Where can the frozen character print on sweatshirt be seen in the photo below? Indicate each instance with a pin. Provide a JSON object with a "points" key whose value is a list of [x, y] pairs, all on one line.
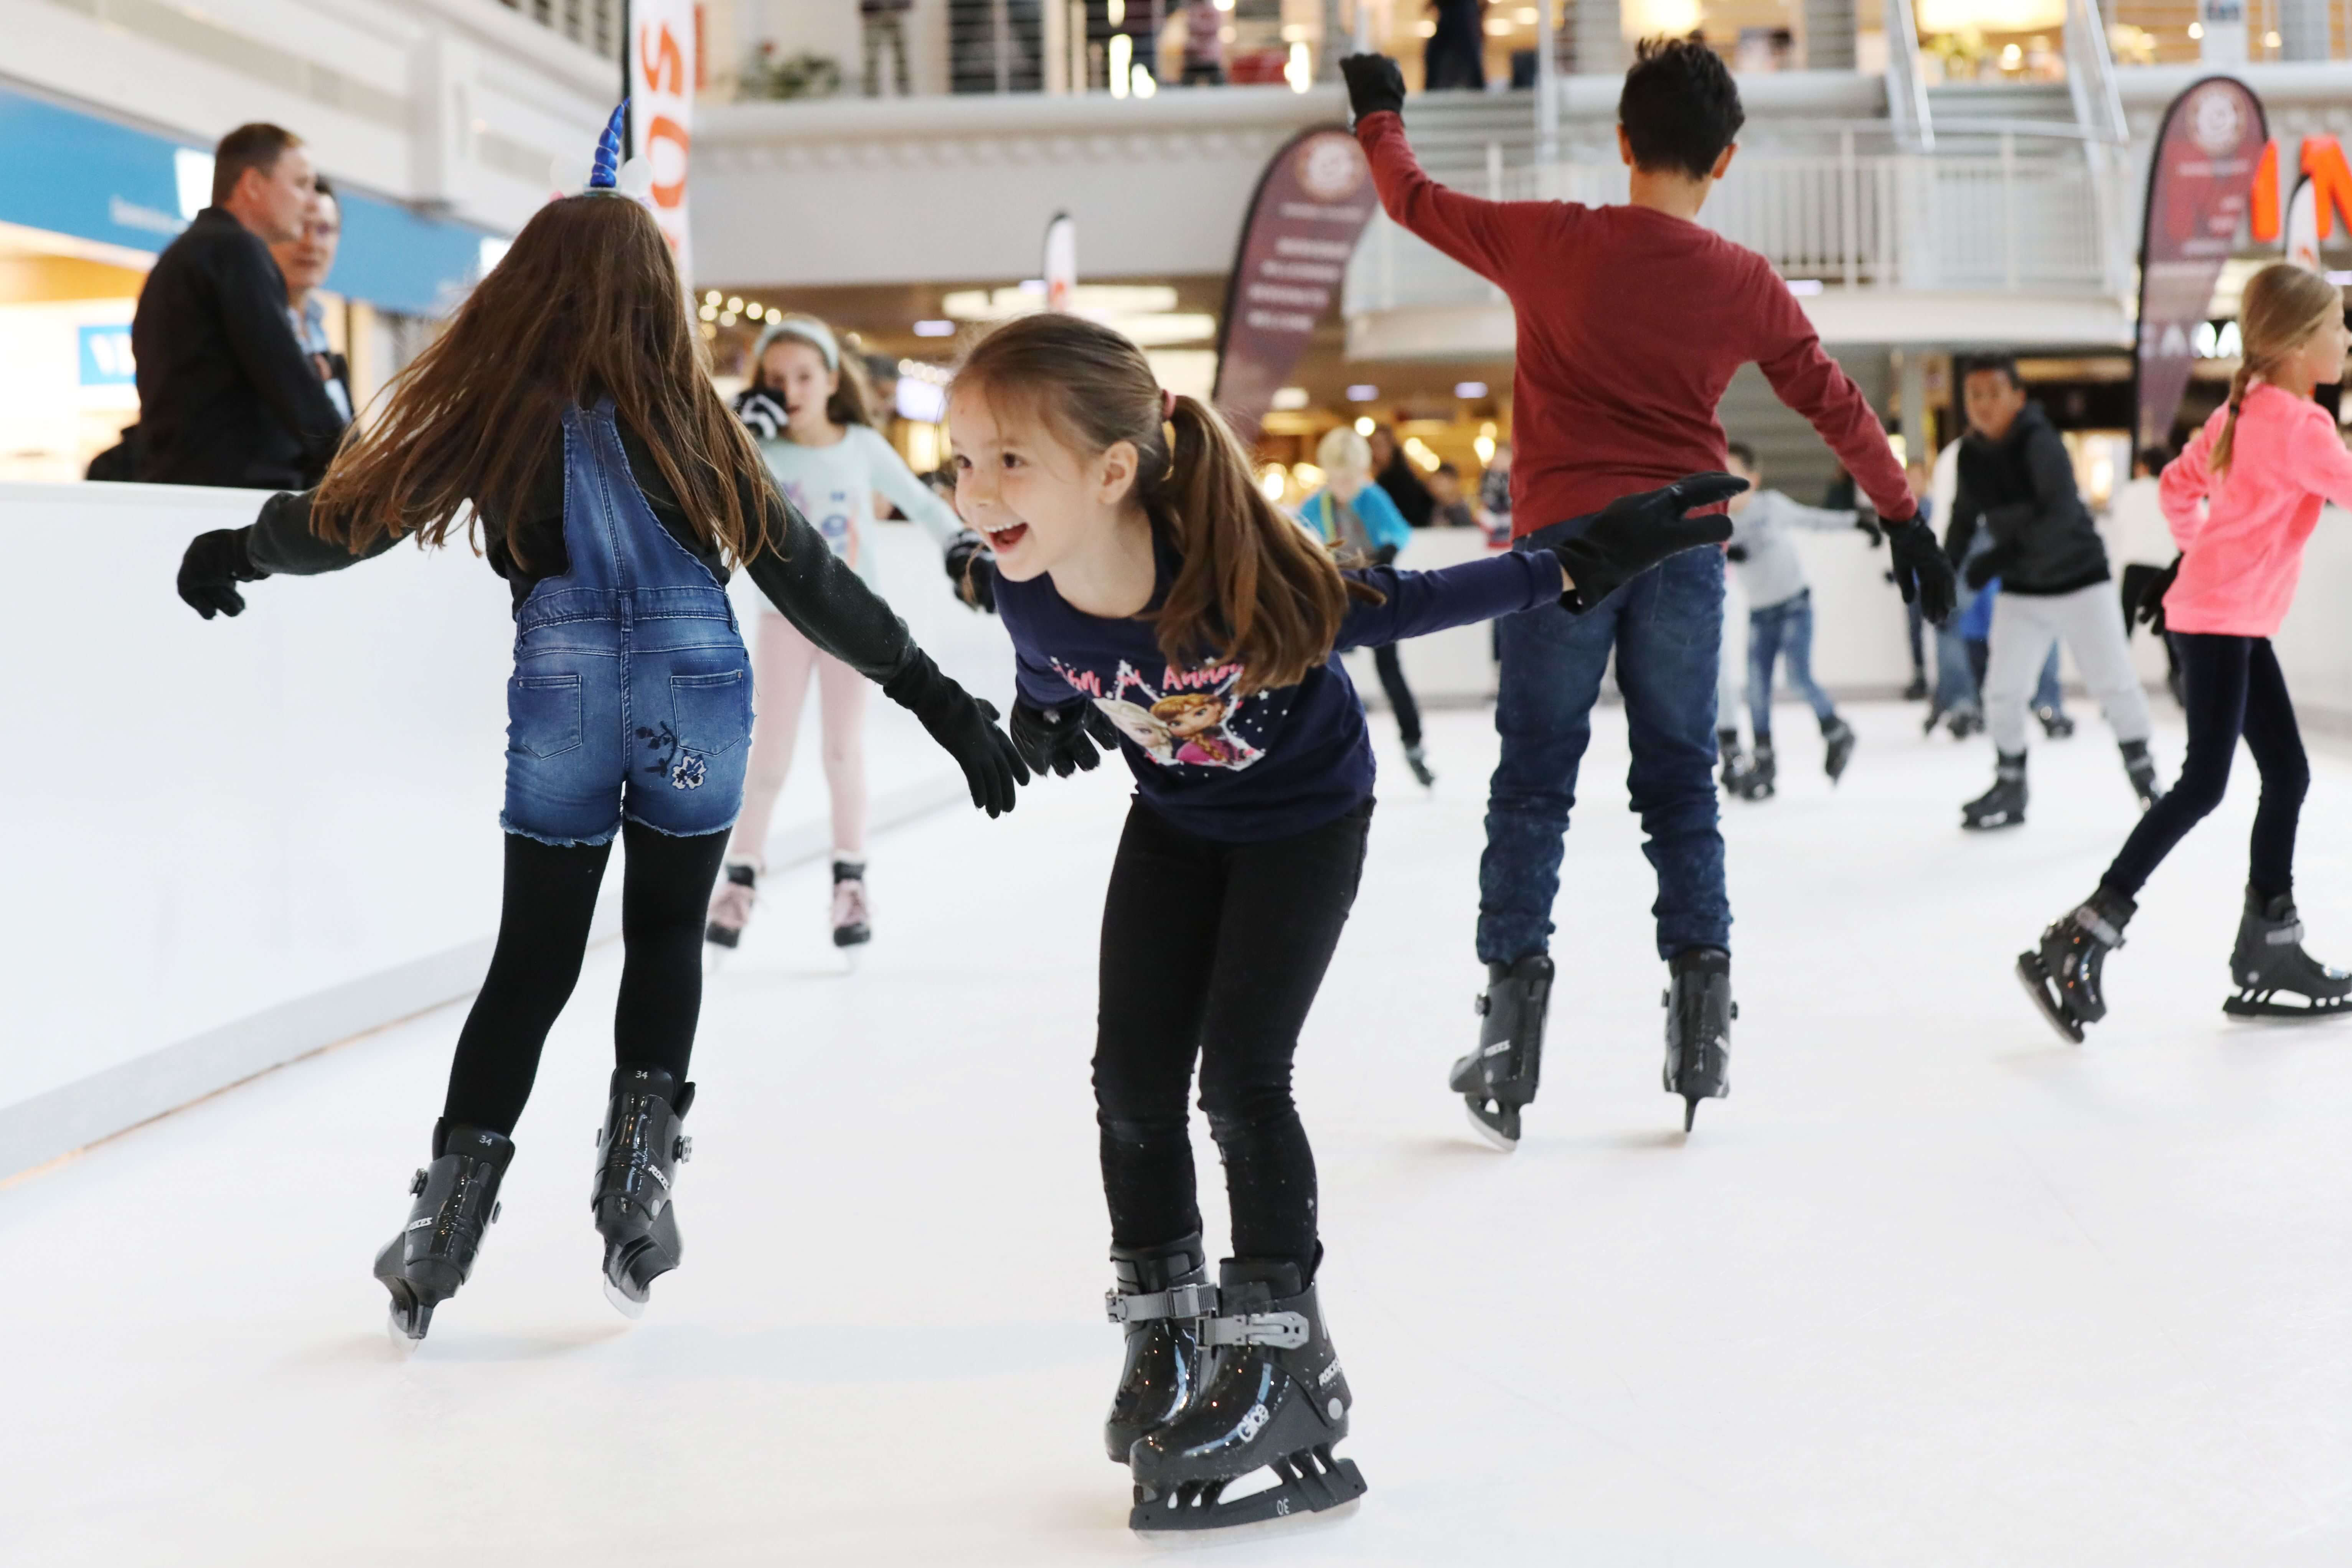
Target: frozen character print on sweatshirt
{"points": [[1192, 719], [831, 511]]}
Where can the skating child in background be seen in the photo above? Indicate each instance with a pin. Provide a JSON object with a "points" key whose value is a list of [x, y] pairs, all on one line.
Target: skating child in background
{"points": [[568, 403], [2240, 500], [1779, 621], [2016, 483], [809, 413], [1136, 563], [1356, 518]]}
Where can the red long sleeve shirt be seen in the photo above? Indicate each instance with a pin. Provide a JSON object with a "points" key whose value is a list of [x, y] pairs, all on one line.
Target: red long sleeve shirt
{"points": [[1631, 323]]}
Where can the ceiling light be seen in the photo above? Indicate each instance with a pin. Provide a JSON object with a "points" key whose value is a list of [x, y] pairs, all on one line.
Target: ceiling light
{"points": [[1364, 426], [1289, 398], [935, 329], [1361, 392], [1470, 389], [1497, 28], [735, 303], [712, 298]]}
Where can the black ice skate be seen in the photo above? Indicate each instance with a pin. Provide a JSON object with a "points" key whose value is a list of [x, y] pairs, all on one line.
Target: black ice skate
{"points": [[2269, 962], [1962, 720], [1163, 1299], [1499, 1078], [637, 1156], [1734, 761], [2064, 974], [1699, 1011], [2141, 768], [1275, 1400], [1418, 761], [1917, 690], [731, 912], [2056, 723], [853, 923], [456, 1200], [1837, 740], [2003, 805], [1759, 779]]}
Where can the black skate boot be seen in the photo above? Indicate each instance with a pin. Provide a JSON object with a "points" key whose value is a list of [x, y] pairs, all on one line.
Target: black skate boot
{"points": [[1760, 780], [1275, 1399], [2064, 974], [1837, 738], [1734, 760], [456, 1200], [637, 1156], [2003, 805], [2270, 959], [2056, 723], [731, 906], [1917, 690], [2141, 767], [1163, 1298], [1963, 720], [853, 920], [1699, 1011], [1418, 761], [1500, 1077]]}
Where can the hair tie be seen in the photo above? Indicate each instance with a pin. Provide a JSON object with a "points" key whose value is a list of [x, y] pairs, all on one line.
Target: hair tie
{"points": [[1167, 405]]}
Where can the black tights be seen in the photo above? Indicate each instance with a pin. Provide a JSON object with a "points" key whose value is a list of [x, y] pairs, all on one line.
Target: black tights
{"points": [[549, 899], [1216, 951], [1390, 669], [2232, 687]]}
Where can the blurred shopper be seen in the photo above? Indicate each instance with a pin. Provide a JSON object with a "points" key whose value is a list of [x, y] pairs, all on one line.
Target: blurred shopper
{"points": [[1448, 507], [810, 414], [1357, 521], [1495, 497], [2016, 484], [567, 412], [1456, 54], [226, 395], [1630, 321], [305, 262], [1915, 624], [884, 24], [1204, 44], [2243, 500], [1392, 470], [1779, 620]]}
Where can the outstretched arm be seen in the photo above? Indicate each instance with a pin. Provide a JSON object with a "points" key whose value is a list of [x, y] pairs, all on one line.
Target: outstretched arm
{"points": [[819, 594], [1480, 235], [1414, 604]]}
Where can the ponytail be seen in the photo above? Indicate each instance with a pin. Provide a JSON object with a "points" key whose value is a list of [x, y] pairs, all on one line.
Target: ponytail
{"points": [[1252, 587], [2283, 305], [2217, 460]]}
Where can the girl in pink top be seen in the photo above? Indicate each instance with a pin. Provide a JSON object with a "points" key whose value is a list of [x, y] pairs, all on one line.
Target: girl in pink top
{"points": [[2242, 499]]}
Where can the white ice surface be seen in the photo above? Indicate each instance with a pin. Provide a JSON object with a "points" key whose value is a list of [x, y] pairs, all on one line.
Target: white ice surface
{"points": [[1929, 1288]]}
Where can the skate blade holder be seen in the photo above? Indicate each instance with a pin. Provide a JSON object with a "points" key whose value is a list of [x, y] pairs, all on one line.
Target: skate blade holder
{"points": [[1283, 1330], [1307, 1482], [1182, 1302]]}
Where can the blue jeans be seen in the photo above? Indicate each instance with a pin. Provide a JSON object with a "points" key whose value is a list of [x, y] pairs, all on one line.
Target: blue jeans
{"points": [[1783, 630], [1666, 627]]}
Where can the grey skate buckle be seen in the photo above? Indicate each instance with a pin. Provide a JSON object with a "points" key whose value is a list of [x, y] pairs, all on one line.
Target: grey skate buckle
{"points": [[2286, 935], [1283, 1330], [2091, 921], [1182, 1302]]}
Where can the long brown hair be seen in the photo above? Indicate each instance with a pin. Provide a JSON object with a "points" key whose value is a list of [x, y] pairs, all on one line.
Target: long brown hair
{"points": [[1252, 587], [587, 300], [2284, 304]]}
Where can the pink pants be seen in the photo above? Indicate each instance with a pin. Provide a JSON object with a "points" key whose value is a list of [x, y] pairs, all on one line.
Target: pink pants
{"points": [[781, 665]]}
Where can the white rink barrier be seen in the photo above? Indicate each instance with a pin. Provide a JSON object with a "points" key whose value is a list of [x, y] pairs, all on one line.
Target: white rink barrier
{"points": [[234, 842]]}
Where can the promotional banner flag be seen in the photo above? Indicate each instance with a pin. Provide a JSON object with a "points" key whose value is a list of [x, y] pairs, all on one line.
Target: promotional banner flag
{"points": [[1311, 207], [2199, 179], [2303, 226], [1061, 262], [662, 74]]}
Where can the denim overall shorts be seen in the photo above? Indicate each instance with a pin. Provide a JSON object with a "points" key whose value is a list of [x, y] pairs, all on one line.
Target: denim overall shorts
{"points": [[632, 693]]}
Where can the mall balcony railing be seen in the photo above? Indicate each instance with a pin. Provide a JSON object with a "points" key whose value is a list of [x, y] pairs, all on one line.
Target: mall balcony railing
{"points": [[594, 25]]}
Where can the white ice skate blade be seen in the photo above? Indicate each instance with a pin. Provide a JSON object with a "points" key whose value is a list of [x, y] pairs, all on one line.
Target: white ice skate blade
{"points": [[715, 957], [1257, 1530], [403, 1347], [621, 1303], [1492, 1138]]}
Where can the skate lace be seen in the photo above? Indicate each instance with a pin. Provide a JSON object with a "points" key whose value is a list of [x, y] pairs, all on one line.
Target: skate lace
{"points": [[850, 903], [730, 905]]}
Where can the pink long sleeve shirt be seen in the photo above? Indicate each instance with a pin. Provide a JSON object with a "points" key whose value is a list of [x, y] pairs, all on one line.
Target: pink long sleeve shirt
{"points": [[2241, 551]]}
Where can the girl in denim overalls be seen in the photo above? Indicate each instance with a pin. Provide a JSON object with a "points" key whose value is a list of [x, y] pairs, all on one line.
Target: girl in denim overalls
{"points": [[567, 405]]}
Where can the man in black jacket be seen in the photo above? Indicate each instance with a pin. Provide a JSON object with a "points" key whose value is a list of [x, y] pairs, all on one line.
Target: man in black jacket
{"points": [[226, 396], [2017, 482]]}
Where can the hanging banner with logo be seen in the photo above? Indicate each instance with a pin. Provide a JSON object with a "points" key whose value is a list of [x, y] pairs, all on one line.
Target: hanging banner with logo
{"points": [[1061, 263], [2199, 185], [1310, 210], [662, 74]]}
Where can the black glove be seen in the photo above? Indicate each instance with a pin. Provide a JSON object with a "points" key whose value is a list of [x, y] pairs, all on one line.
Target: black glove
{"points": [[1920, 570], [1062, 740], [1868, 523], [2149, 611], [1634, 533], [1735, 553], [977, 589], [1375, 86], [762, 415], [215, 565], [965, 727]]}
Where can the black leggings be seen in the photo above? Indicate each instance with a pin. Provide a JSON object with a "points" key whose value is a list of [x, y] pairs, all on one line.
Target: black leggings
{"points": [[1390, 670], [549, 899], [2232, 687], [1216, 951]]}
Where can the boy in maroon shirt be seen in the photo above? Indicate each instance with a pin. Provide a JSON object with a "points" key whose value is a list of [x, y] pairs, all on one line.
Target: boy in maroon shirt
{"points": [[1630, 321]]}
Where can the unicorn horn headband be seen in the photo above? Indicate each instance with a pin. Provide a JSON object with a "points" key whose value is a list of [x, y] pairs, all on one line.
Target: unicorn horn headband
{"points": [[608, 174]]}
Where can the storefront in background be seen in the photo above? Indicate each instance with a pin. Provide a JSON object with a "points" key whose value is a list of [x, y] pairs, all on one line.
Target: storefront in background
{"points": [[89, 202]]}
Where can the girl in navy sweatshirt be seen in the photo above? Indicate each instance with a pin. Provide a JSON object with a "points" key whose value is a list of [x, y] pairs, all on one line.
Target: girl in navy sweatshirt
{"points": [[1157, 602]]}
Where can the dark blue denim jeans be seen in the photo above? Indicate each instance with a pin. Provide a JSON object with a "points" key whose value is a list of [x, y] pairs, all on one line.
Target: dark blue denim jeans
{"points": [[1666, 627], [1783, 631]]}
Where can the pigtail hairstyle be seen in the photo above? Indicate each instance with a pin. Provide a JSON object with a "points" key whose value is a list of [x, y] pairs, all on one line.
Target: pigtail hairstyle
{"points": [[1252, 587], [587, 300], [2284, 304]]}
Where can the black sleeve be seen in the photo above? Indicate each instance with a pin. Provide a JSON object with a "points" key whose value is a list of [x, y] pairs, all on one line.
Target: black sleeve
{"points": [[1961, 531], [279, 542], [816, 591], [252, 296]]}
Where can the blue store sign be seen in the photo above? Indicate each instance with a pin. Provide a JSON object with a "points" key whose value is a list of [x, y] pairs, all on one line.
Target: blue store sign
{"points": [[106, 356], [87, 176]]}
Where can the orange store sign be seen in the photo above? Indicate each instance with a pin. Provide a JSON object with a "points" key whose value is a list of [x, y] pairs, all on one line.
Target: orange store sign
{"points": [[2323, 163]]}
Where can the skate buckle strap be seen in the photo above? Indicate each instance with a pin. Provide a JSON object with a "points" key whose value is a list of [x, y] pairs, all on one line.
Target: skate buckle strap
{"points": [[1283, 1330], [2091, 921], [1182, 1302], [2286, 935]]}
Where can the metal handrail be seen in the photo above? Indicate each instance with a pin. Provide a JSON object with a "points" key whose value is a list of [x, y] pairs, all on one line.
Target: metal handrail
{"points": [[1906, 79], [2091, 75]]}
